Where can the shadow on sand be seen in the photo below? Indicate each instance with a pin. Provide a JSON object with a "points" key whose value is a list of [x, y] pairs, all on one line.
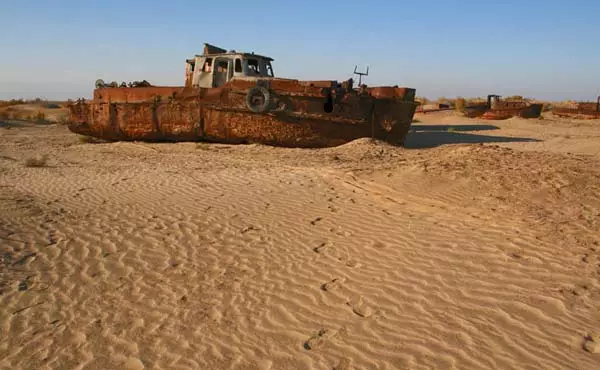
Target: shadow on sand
{"points": [[10, 124], [453, 127], [430, 136], [21, 123]]}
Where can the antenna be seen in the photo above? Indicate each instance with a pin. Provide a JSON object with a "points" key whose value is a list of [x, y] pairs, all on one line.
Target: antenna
{"points": [[360, 74]]}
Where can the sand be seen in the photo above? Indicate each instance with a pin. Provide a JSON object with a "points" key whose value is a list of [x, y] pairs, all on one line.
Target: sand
{"points": [[476, 247]]}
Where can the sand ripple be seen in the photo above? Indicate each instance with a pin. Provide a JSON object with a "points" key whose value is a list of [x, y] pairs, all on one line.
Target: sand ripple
{"points": [[126, 256]]}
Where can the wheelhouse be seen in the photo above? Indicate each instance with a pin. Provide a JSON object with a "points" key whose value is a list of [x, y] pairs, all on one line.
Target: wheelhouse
{"points": [[214, 69]]}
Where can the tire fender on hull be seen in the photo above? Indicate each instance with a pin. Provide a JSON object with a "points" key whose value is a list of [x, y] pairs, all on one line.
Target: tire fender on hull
{"points": [[262, 94]]}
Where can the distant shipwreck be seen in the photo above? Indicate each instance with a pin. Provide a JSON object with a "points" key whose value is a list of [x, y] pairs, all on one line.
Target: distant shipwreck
{"points": [[497, 109], [583, 110], [234, 97]]}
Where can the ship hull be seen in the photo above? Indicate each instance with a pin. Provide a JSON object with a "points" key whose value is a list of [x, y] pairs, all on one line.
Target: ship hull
{"points": [[584, 110], [298, 114], [483, 112]]}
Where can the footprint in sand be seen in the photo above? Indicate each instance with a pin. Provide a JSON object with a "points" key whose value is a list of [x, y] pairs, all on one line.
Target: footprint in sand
{"points": [[592, 343], [319, 339], [360, 308], [323, 247], [378, 245], [350, 262], [314, 222], [333, 284], [52, 238]]}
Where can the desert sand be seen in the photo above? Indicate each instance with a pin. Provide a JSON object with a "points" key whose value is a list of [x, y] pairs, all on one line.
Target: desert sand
{"points": [[475, 247]]}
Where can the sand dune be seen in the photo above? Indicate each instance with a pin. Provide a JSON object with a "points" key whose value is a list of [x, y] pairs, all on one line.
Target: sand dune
{"points": [[364, 256]]}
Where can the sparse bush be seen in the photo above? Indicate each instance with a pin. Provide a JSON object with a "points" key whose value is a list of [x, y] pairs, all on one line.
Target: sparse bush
{"points": [[63, 120], [89, 140], [8, 103], [460, 104], [37, 161], [451, 129], [40, 117], [51, 106], [203, 146]]}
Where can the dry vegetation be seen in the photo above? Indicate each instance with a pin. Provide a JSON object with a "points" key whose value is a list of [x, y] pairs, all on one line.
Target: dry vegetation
{"points": [[34, 110], [90, 140], [37, 161]]}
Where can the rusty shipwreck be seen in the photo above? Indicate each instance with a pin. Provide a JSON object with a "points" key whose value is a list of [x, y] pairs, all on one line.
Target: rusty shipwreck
{"points": [[496, 108], [582, 110], [234, 97]]}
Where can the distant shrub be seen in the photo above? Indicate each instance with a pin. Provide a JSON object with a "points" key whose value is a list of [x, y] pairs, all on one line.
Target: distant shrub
{"points": [[89, 140], [37, 161], [203, 146], [423, 100], [39, 117], [8, 103], [63, 120], [460, 104], [51, 106]]}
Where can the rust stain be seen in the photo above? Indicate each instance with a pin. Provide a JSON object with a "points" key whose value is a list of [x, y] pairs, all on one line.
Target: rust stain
{"points": [[234, 97]]}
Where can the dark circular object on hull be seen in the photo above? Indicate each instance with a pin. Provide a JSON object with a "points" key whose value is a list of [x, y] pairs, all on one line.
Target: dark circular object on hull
{"points": [[258, 99]]}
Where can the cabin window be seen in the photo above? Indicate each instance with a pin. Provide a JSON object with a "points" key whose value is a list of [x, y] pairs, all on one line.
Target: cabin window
{"points": [[269, 69], [207, 65], [238, 65], [253, 67], [222, 66]]}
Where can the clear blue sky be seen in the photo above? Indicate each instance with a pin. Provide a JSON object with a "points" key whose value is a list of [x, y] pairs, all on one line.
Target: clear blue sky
{"points": [[544, 49]]}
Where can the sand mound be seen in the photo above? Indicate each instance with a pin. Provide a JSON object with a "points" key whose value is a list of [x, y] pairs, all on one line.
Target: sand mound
{"points": [[131, 255]]}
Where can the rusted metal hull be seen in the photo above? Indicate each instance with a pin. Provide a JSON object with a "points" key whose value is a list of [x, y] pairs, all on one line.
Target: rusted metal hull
{"points": [[431, 108], [584, 110], [303, 114], [500, 113], [575, 113]]}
